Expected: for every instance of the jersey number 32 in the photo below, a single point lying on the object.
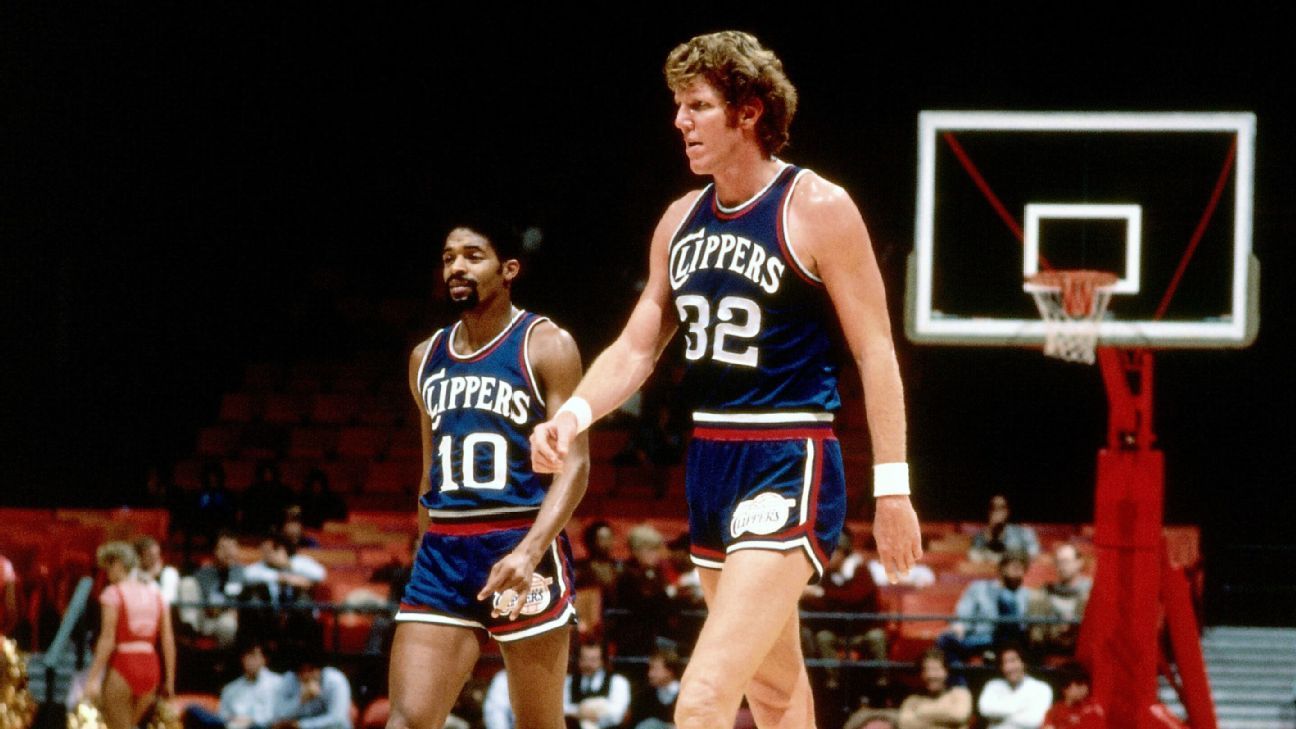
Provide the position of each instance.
(737, 320)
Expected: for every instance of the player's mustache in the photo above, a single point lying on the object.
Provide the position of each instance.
(461, 282)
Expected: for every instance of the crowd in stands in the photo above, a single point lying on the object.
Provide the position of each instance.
(994, 646)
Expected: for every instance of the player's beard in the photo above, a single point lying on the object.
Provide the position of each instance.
(468, 302)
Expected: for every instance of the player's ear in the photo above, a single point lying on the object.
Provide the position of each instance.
(750, 112)
(510, 269)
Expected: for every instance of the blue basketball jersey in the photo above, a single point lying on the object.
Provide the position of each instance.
(756, 321)
(483, 406)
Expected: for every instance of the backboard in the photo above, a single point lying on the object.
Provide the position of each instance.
(1163, 200)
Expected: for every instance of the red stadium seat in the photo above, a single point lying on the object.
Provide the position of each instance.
(363, 442)
(239, 407)
(375, 714)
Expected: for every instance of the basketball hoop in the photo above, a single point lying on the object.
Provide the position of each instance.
(1071, 304)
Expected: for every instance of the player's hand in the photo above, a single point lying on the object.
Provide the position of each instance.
(899, 541)
(511, 579)
(550, 441)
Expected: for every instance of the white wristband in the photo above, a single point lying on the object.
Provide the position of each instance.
(579, 407)
(890, 479)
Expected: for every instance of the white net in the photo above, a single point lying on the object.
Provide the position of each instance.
(1072, 304)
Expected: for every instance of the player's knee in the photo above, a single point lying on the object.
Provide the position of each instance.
(402, 716)
(700, 704)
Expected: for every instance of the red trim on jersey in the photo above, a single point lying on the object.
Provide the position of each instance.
(781, 236)
(500, 339)
(739, 434)
(471, 529)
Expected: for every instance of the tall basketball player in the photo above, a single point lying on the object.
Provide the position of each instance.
(755, 267)
(493, 556)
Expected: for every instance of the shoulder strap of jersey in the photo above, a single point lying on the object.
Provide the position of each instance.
(524, 354)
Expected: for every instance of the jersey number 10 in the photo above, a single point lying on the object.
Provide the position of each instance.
(498, 454)
(725, 342)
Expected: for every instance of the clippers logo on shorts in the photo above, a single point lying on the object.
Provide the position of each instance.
(766, 513)
(755, 320)
(537, 599)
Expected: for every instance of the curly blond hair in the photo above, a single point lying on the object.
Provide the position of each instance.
(742, 70)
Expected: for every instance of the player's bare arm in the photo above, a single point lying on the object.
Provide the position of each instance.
(557, 364)
(425, 433)
(826, 227)
(623, 367)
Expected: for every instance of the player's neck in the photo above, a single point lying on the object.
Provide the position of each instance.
(740, 179)
(479, 326)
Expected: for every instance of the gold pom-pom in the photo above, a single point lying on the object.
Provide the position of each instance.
(163, 716)
(16, 706)
(86, 716)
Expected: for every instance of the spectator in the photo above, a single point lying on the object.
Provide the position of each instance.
(265, 501)
(288, 576)
(8, 583)
(594, 696)
(1000, 537)
(641, 590)
(314, 696)
(687, 587)
(1077, 709)
(869, 718)
(319, 503)
(1064, 600)
(984, 602)
(845, 587)
(599, 567)
(295, 532)
(215, 507)
(941, 704)
(497, 711)
(284, 578)
(153, 570)
(1014, 700)
(653, 706)
(247, 702)
(218, 586)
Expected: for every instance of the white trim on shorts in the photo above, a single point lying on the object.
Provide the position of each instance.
(807, 479)
(801, 542)
(403, 616)
(560, 620)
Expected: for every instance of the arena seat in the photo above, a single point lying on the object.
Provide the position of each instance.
(363, 441)
(375, 714)
(311, 441)
(335, 408)
(182, 701)
(218, 441)
(239, 407)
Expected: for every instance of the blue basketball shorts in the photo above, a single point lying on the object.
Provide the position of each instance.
(453, 563)
(777, 489)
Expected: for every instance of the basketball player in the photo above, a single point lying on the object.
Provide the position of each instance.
(493, 556)
(755, 267)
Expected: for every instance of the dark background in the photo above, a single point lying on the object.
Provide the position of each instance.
(177, 181)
